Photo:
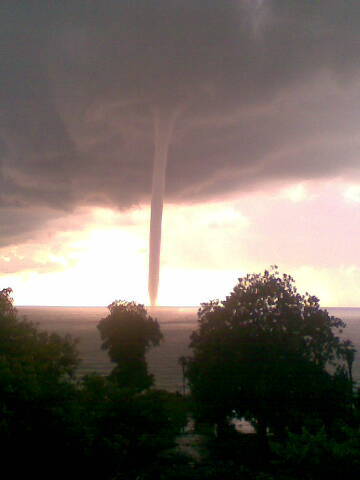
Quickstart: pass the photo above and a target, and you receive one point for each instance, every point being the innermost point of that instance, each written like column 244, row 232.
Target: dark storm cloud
column 269, row 91
column 16, row 222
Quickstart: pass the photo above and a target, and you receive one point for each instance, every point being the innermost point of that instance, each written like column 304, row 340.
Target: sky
column 263, row 162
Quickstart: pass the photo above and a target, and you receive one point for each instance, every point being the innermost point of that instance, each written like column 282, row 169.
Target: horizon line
column 105, row 306
column 146, row 306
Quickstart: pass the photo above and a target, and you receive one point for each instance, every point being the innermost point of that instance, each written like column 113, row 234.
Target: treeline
column 265, row 353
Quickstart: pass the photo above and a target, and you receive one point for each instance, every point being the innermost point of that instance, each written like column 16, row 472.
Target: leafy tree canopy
column 97, row 427
column 36, row 390
column 264, row 350
column 24, row 346
column 127, row 333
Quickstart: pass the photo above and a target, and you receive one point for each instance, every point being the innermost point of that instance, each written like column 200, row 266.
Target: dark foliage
column 262, row 356
column 127, row 333
column 317, row 455
column 36, row 393
column 264, row 353
column 90, row 428
column 126, row 433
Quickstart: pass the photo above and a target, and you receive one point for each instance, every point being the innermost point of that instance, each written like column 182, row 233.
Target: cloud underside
column 268, row 91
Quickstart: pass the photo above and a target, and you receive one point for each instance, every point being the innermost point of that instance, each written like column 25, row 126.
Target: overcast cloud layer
column 268, row 90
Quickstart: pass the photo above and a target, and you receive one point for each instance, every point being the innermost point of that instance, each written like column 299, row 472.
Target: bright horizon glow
column 95, row 256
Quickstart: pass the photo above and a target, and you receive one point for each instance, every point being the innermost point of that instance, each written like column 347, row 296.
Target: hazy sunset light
column 249, row 112
column 98, row 254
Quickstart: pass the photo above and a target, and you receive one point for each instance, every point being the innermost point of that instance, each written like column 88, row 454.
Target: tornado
column 163, row 130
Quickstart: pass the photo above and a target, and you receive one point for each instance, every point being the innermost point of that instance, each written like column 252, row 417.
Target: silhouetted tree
column 263, row 353
column 121, row 426
column 37, row 392
column 92, row 427
column 24, row 347
column 127, row 333
column 316, row 455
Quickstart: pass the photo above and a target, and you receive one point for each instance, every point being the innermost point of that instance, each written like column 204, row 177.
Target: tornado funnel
column 163, row 122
